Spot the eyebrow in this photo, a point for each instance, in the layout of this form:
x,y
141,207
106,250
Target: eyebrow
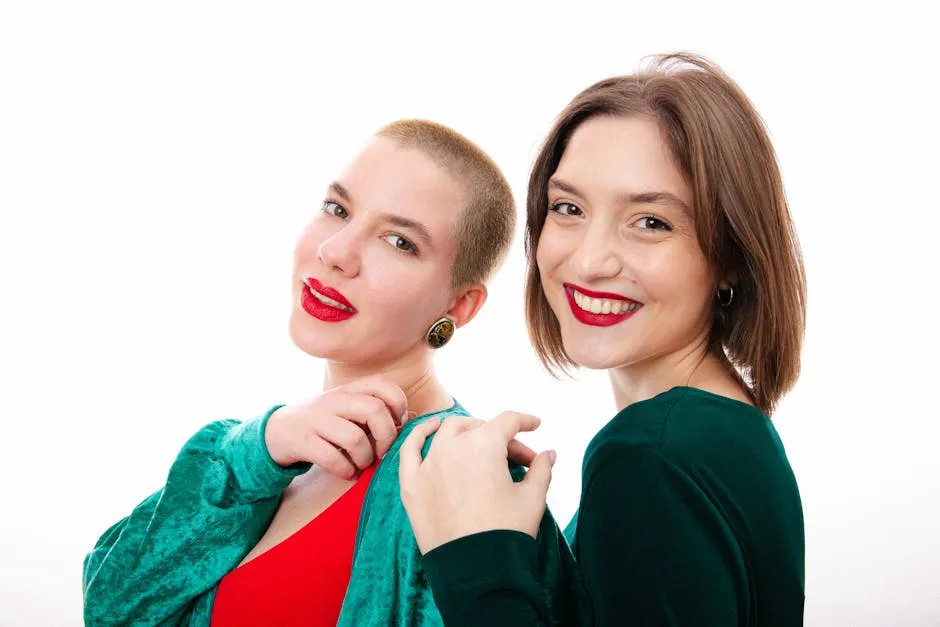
x,y
418,228
341,191
641,198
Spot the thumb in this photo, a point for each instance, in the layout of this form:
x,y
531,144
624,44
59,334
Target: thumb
x,y
540,474
409,455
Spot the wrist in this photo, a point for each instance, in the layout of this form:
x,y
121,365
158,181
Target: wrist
x,y
275,441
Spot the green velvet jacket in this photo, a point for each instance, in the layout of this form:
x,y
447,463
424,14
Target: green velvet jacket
x,y
161,565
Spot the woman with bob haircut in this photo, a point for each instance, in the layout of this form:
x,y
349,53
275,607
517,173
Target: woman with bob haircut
x,y
660,249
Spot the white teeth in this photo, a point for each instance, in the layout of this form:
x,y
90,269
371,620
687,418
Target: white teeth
x,y
326,300
604,305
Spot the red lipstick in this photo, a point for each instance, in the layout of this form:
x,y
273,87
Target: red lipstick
x,y
325,311
598,319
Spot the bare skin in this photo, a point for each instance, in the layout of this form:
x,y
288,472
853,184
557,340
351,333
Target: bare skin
x,y
312,493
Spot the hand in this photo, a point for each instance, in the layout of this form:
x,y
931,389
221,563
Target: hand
x,y
342,430
464,487
518,452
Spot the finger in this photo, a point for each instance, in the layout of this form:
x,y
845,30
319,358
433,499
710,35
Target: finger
x,y
509,423
381,424
370,412
537,480
520,454
458,424
327,456
409,455
349,437
386,391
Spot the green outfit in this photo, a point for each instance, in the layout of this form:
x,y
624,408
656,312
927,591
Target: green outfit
x,y
161,565
689,515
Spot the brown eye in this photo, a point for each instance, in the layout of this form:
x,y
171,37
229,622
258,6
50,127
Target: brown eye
x,y
335,209
652,223
401,244
566,209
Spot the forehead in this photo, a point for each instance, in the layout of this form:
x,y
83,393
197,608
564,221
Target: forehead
x,y
388,178
617,155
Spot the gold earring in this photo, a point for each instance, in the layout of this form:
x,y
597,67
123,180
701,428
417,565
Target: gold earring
x,y
440,333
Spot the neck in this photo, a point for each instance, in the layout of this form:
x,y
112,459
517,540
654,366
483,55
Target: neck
x,y
412,372
693,365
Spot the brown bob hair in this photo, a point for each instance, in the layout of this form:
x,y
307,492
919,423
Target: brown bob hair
x,y
742,221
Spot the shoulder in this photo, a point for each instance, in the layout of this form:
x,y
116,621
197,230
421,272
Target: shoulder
x,y
454,410
695,447
685,428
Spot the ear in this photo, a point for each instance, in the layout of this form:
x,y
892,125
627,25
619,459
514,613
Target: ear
x,y
730,279
466,303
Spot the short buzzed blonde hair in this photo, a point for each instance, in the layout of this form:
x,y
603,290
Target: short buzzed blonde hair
x,y
485,227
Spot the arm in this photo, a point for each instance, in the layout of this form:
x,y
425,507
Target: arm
x,y
487,539
487,578
219,497
651,548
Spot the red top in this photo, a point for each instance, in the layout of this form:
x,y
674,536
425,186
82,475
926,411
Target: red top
x,y
302,580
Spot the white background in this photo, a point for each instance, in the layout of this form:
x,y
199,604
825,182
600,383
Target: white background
x,y
157,161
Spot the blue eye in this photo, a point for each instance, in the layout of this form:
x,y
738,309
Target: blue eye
x,y
653,224
566,209
334,209
401,244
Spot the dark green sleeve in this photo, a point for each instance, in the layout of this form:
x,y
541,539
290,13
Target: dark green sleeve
x,y
652,548
487,579
220,495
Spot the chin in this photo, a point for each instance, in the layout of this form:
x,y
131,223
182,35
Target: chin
x,y
596,355
315,344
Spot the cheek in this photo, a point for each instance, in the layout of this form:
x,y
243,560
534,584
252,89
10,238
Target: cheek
x,y
681,278
309,241
405,292
552,249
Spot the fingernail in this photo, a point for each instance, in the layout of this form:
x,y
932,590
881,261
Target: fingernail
x,y
552,455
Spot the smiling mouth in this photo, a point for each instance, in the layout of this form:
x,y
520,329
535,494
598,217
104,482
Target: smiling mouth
x,y
326,300
603,305
599,309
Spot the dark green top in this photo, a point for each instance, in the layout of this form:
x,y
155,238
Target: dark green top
x,y
689,515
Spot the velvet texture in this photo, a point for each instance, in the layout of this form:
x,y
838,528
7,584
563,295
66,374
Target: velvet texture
x,y
161,564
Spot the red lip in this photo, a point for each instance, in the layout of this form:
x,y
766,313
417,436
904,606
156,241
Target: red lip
x,y
329,292
593,319
321,310
593,294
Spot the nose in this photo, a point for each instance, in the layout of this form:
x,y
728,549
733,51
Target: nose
x,y
599,256
342,251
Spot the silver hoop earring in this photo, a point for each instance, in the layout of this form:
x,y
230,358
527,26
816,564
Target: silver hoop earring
x,y
725,296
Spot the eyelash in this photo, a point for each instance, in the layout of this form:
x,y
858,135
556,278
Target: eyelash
x,y
333,209
660,224
411,248
664,226
556,209
326,209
